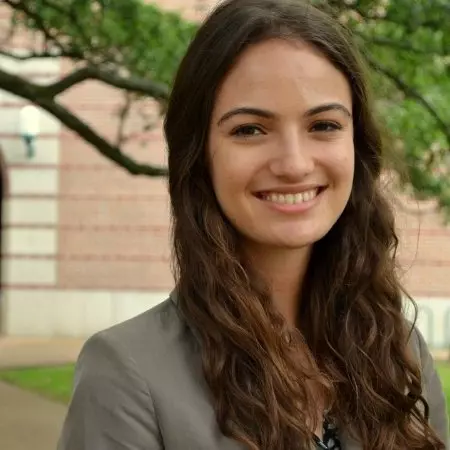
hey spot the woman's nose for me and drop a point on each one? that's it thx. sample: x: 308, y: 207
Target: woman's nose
x: 292, y: 159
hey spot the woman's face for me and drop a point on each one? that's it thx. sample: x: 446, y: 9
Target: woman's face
x: 281, y: 144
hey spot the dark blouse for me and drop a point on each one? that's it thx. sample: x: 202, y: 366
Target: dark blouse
x: 330, y: 439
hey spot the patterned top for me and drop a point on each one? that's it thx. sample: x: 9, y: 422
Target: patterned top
x: 330, y: 440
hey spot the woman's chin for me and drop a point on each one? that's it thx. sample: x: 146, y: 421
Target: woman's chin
x: 291, y: 242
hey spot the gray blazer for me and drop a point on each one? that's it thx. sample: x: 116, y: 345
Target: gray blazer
x: 139, y: 386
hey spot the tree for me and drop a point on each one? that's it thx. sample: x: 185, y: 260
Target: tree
x: 126, y: 44
x: 407, y: 47
x: 135, y: 47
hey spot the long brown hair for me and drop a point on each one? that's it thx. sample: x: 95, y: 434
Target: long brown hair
x: 354, y: 339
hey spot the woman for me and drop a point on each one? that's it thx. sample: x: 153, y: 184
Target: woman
x: 285, y: 330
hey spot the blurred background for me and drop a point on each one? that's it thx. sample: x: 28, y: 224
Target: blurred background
x: 84, y: 207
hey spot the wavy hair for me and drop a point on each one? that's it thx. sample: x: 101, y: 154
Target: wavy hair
x: 354, y: 339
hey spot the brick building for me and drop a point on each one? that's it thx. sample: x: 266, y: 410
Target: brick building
x: 85, y: 245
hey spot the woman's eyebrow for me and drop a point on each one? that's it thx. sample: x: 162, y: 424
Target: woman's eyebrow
x: 328, y: 107
x: 244, y: 110
x: 264, y: 113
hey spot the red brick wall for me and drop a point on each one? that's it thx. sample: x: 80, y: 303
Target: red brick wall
x: 124, y: 238
x: 424, y: 251
x: 113, y: 227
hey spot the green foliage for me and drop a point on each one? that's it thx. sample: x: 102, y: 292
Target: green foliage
x: 138, y: 38
x: 412, y: 41
x: 407, y: 45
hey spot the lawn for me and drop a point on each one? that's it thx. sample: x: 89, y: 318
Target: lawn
x: 444, y: 372
x: 51, y: 382
x: 56, y: 382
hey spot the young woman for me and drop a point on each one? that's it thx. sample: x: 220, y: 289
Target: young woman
x: 285, y: 330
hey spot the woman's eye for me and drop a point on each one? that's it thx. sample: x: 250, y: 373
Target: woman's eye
x: 326, y: 127
x: 247, y: 131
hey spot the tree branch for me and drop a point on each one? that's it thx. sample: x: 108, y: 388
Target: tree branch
x: 49, y: 36
x: 411, y: 93
x: 11, y: 30
x: 123, y: 115
x: 137, y: 85
x: 36, y: 94
x: 73, y: 19
x: 38, y: 55
x: 67, y: 47
x: 111, y: 152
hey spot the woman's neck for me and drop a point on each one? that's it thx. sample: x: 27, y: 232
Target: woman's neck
x: 283, y: 271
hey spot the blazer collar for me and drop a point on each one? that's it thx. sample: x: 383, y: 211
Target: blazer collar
x: 174, y: 298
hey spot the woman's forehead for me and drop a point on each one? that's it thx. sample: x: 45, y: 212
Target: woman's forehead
x: 277, y: 72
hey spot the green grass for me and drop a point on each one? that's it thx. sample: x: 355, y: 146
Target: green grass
x: 56, y: 382
x: 52, y: 382
x: 444, y: 373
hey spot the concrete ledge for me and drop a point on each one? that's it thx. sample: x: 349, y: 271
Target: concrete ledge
x: 441, y: 355
x: 37, y: 352
x: 50, y: 313
x: 47, y: 312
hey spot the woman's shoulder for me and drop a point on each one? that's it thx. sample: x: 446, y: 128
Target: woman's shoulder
x: 432, y: 388
x: 125, y: 374
x: 419, y: 347
x: 156, y: 326
x: 151, y: 342
x: 422, y: 354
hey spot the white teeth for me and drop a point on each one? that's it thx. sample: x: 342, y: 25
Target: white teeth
x: 291, y: 199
